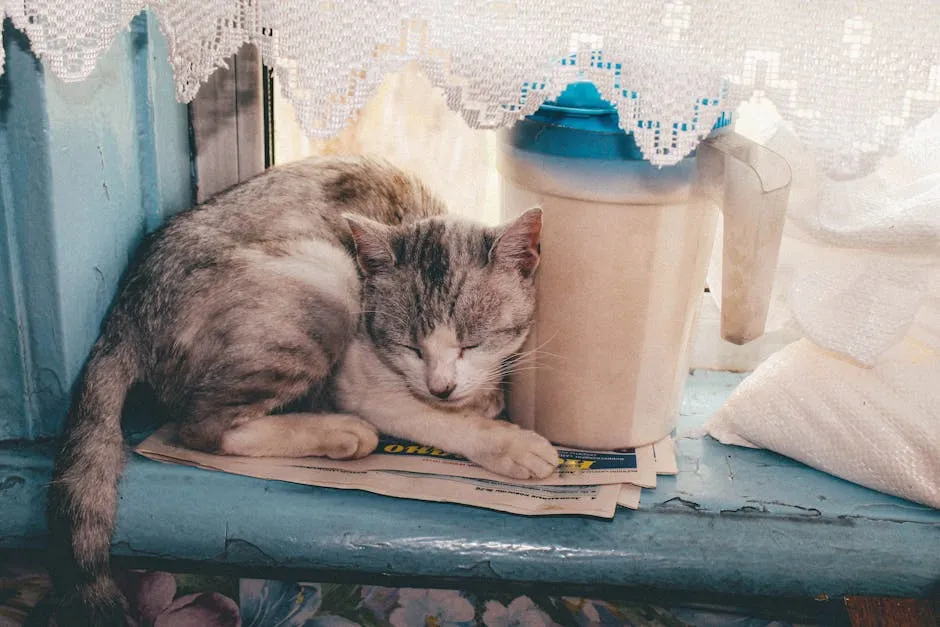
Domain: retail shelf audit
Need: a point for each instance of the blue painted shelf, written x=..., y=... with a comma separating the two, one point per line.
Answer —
x=733, y=521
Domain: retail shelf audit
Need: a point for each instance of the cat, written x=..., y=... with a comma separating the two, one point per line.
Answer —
x=297, y=314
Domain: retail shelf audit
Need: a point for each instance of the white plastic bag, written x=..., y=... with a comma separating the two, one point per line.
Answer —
x=878, y=426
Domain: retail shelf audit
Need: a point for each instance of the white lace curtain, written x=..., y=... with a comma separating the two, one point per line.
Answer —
x=849, y=76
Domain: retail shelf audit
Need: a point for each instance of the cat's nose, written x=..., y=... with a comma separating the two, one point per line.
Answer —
x=443, y=392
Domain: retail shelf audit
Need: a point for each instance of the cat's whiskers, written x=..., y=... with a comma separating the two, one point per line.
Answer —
x=538, y=367
x=532, y=354
x=509, y=365
x=539, y=349
x=527, y=364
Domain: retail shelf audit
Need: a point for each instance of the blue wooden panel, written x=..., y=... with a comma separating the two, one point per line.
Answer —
x=87, y=169
x=24, y=171
x=165, y=153
x=13, y=396
x=775, y=528
x=12, y=392
x=95, y=213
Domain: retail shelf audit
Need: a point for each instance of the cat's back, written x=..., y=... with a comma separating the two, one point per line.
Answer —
x=306, y=199
x=286, y=208
x=278, y=234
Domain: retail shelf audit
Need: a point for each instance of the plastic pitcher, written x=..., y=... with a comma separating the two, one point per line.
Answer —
x=625, y=248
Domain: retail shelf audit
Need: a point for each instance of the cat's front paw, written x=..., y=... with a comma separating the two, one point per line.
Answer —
x=517, y=453
x=349, y=437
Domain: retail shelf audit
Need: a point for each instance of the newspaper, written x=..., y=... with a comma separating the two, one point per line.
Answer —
x=664, y=461
x=407, y=470
x=576, y=467
x=664, y=457
x=629, y=495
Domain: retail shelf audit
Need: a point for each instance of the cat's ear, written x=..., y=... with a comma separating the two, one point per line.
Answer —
x=372, y=249
x=517, y=246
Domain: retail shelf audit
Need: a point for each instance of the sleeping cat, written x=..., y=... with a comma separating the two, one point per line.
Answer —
x=294, y=315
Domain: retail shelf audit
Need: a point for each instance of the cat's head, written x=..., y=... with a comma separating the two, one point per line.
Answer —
x=446, y=301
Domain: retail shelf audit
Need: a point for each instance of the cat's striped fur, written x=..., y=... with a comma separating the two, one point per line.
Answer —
x=293, y=315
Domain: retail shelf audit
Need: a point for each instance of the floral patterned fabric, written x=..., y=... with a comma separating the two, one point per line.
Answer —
x=160, y=599
x=282, y=604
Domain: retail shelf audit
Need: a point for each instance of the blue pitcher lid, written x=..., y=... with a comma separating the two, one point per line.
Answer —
x=580, y=106
x=580, y=123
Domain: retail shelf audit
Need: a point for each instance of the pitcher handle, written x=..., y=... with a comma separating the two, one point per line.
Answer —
x=751, y=185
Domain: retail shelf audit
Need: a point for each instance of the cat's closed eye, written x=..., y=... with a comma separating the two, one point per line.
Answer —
x=468, y=348
x=413, y=349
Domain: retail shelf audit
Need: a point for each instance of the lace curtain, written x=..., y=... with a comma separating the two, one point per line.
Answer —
x=849, y=76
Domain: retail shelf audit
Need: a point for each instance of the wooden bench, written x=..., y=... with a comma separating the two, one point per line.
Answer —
x=734, y=521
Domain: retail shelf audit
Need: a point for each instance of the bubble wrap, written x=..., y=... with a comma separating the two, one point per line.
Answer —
x=850, y=76
x=878, y=427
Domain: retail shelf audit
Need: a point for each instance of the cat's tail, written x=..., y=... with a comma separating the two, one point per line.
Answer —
x=83, y=493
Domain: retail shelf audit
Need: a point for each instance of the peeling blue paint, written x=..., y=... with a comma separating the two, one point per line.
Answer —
x=85, y=170
x=24, y=170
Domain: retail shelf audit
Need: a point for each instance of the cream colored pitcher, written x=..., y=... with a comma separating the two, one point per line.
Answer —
x=625, y=249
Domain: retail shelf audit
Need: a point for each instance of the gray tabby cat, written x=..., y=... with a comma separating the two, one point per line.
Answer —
x=294, y=315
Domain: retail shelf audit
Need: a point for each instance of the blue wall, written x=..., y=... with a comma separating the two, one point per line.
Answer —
x=85, y=170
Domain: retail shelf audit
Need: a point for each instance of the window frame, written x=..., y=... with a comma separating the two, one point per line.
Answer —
x=231, y=124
